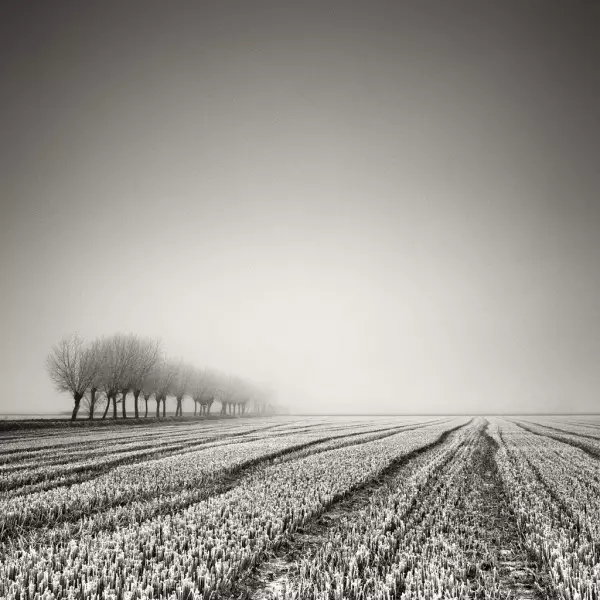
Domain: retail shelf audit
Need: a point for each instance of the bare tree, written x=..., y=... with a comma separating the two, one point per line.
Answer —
x=182, y=385
x=107, y=400
x=231, y=390
x=247, y=394
x=91, y=396
x=204, y=383
x=163, y=378
x=145, y=355
x=93, y=402
x=147, y=397
x=107, y=370
x=72, y=366
x=262, y=398
x=116, y=362
x=129, y=343
x=151, y=385
x=90, y=402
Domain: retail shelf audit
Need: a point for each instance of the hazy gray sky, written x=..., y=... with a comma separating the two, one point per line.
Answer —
x=376, y=206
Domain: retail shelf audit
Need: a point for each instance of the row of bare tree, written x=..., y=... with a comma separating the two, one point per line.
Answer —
x=104, y=372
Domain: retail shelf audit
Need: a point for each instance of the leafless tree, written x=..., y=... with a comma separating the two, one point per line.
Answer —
x=145, y=355
x=91, y=395
x=73, y=366
x=151, y=384
x=104, y=372
x=90, y=402
x=248, y=393
x=204, y=383
x=262, y=398
x=116, y=360
x=129, y=343
x=232, y=390
x=107, y=400
x=99, y=403
x=182, y=385
x=162, y=380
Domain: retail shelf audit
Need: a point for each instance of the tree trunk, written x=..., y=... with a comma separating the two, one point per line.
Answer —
x=107, y=407
x=136, y=407
x=114, y=405
x=146, y=401
x=195, y=407
x=93, y=392
x=179, y=408
x=77, y=398
x=164, y=407
x=207, y=411
x=123, y=408
x=157, y=406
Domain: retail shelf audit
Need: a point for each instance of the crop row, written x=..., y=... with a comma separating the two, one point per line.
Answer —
x=76, y=441
x=570, y=474
x=200, y=551
x=27, y=465
x=81, y=520
x=79, y=446
x=587, y=427
x=589, y=444
x=421, y=536
x=27, y=447
x=173, y=481
x=48, y=474
x=550, y=486
x=39, y=441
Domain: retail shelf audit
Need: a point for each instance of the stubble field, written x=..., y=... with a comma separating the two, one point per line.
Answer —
x=304, y=508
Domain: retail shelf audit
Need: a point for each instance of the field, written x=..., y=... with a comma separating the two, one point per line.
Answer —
x=295, y=508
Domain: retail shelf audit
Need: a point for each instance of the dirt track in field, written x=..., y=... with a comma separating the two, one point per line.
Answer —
x=517, y=573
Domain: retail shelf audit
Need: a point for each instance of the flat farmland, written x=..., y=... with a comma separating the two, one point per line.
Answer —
x=304, y=508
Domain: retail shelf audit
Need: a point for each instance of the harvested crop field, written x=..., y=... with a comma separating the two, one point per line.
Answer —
x=295, y=508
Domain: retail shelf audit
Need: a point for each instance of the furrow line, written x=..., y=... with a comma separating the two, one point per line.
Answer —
x=137, y=506
x=590, y=450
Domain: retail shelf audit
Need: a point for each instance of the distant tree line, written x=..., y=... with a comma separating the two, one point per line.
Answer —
x=104, y=373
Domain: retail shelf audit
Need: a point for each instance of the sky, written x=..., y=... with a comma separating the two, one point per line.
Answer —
x=377, y=207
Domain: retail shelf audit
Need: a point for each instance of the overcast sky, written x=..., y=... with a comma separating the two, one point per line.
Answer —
x=378, y=207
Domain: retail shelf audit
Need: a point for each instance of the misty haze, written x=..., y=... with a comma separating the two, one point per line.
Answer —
x=300, y=300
